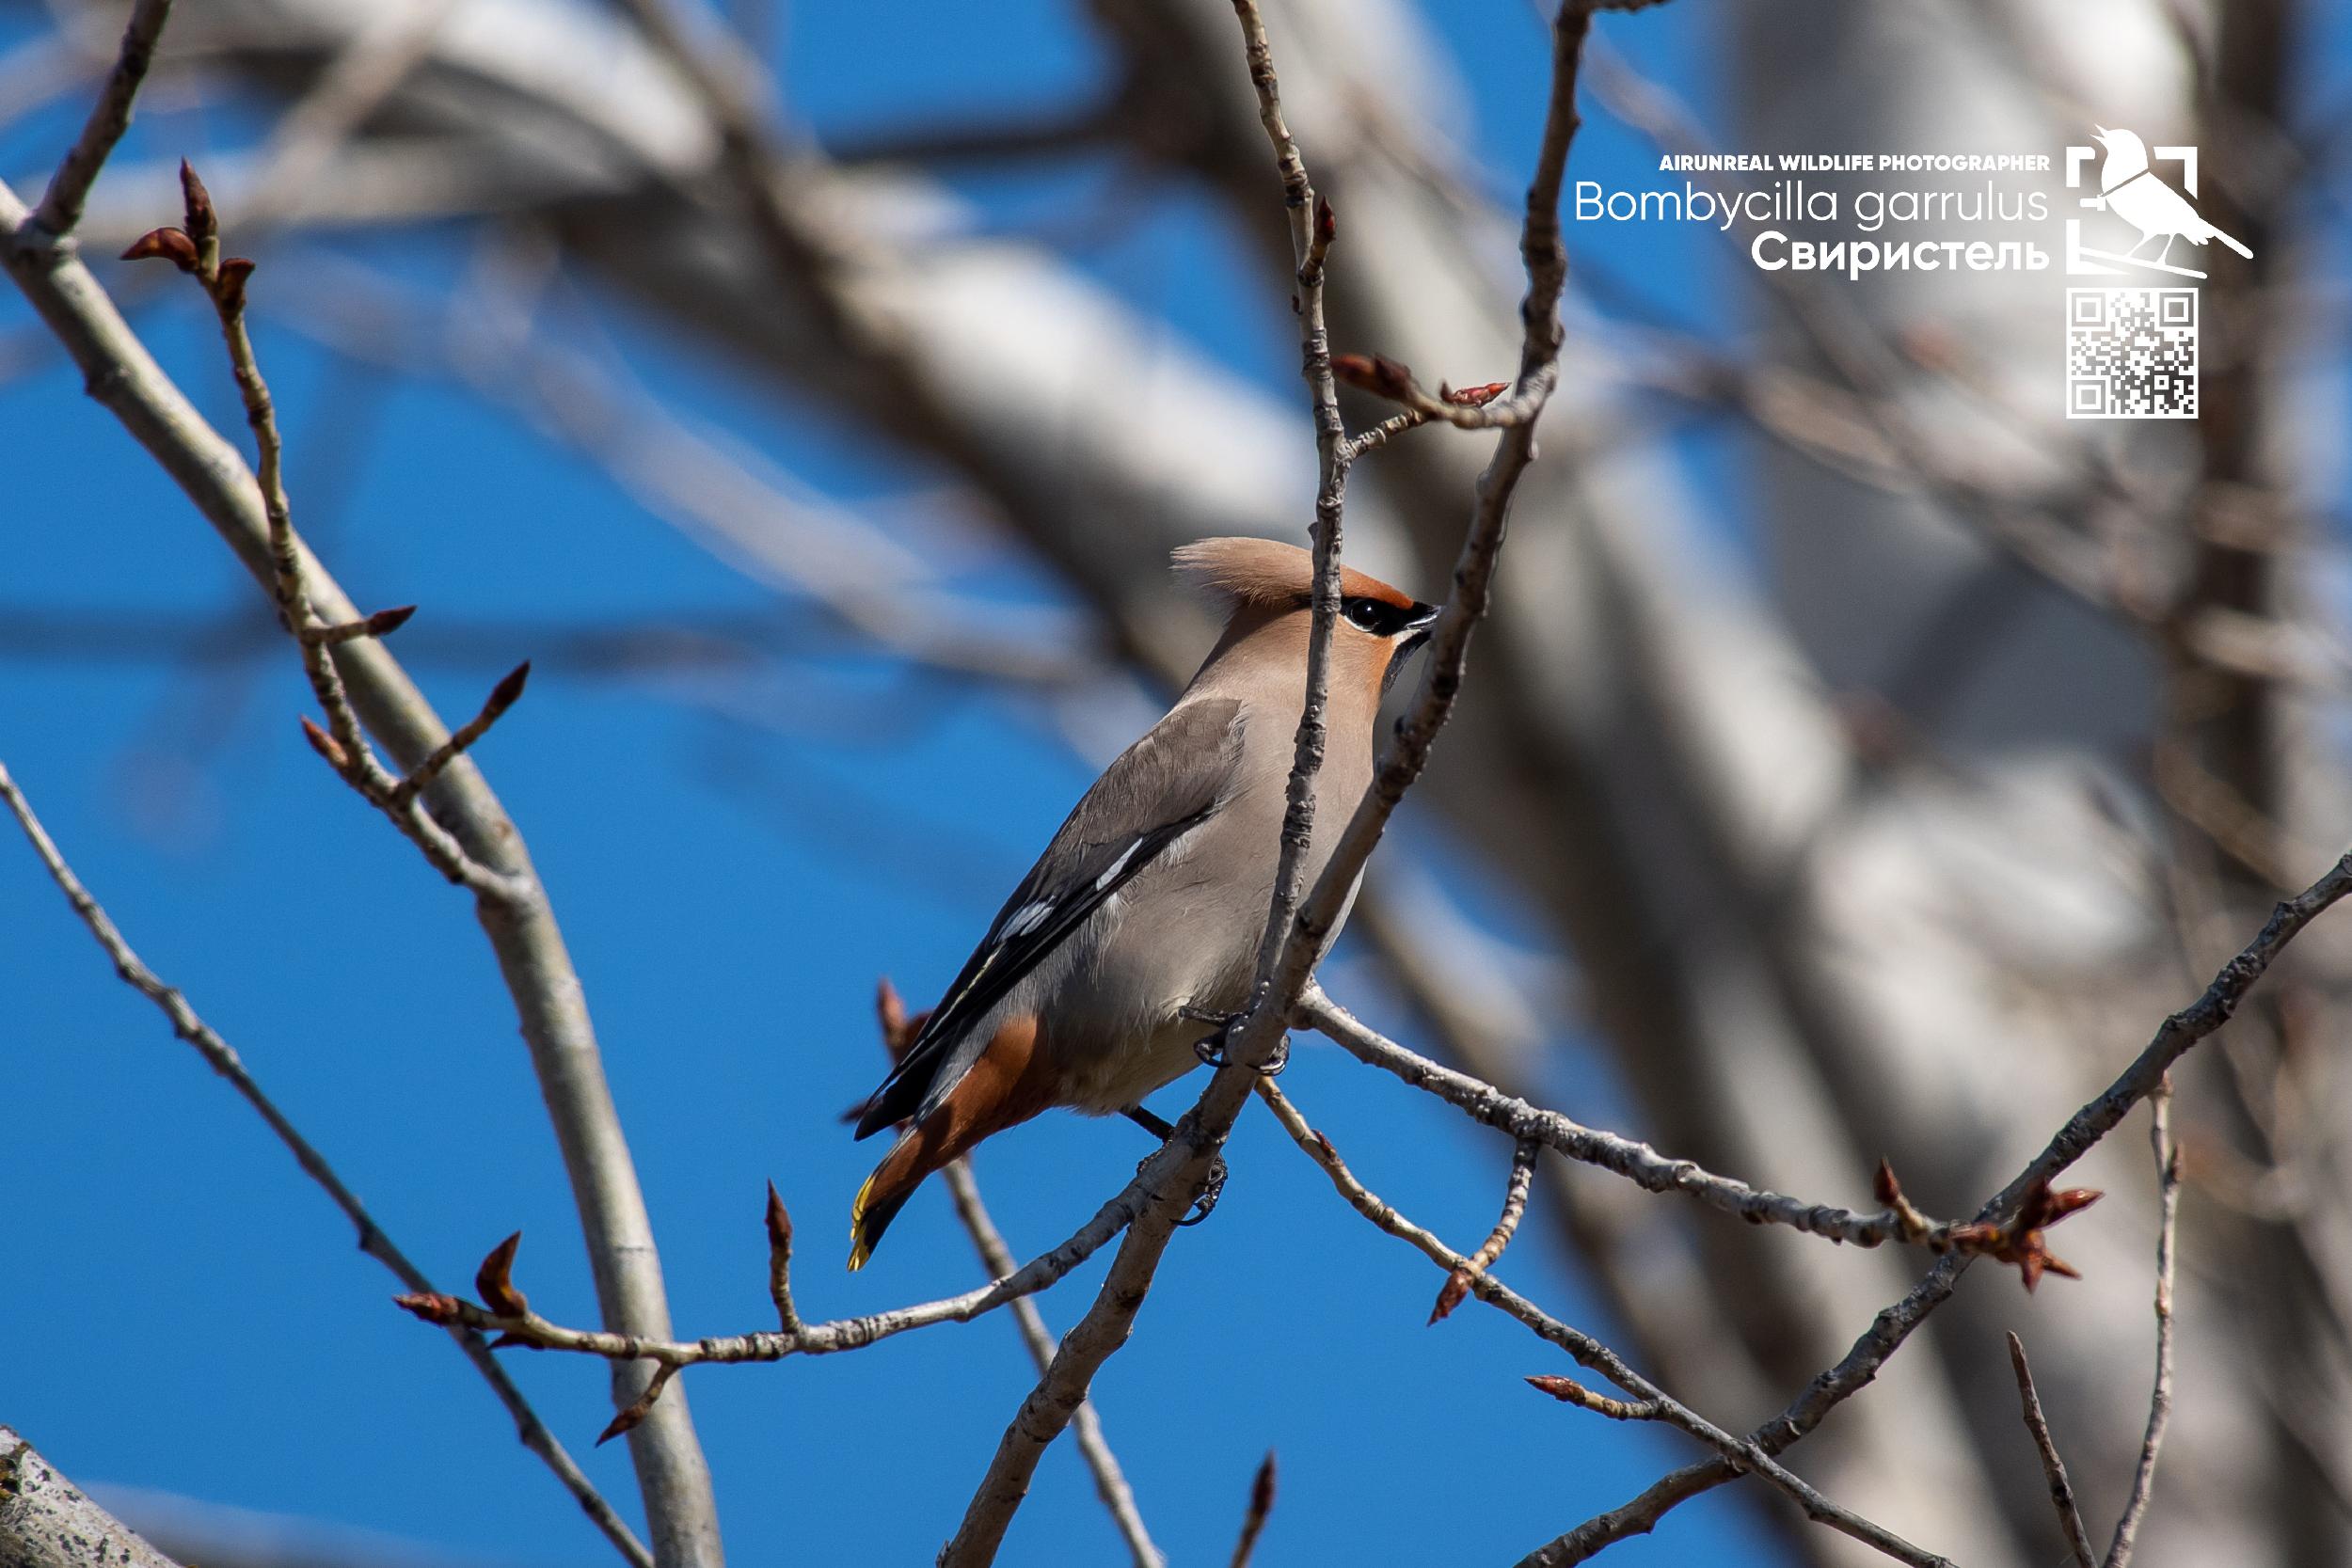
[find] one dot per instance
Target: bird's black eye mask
(1409, 622)
(1379, 617)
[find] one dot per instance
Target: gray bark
(47, 1522)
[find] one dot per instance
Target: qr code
(2131, 354)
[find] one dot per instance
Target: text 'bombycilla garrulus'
(1142, 918)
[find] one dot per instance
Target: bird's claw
(1203, 1201)
(1212, 1188)
(1211, 1047)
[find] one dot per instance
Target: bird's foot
(1211, 1185)
(1211, 1047)
(1212, 1188)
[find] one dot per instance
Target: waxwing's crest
(1267, 572)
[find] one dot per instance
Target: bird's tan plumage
(1142, 919)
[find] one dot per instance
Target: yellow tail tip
(860, 1247)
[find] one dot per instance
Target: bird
(1140, 922)
(2133, 192)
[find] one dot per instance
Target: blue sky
(190, 1315)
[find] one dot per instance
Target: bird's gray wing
(1161, 788)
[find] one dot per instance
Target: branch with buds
(1647, 1401)
(2019, 1239)
(195, 249)
(1464, 409)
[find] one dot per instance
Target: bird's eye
(1368, 614)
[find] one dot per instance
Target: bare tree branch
(1457, 1284)
(224, 1060)
(2053, 1468)
(1645, 1167)
(47, 1523)
(1649, 1403)
(820, 1338)
(522, 929)
(1887, 1332)
(1883, 1337)
(1110, 1481)
(2160, 1397)
(60, 206)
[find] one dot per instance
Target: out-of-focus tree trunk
(2055, 703)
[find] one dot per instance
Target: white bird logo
(2131, 190)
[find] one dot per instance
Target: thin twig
(820, 1338)
(1312, 227)
(109, 118)
(1654, 1172)
(780, 1264)
(1457, 1284)
(2053, 1468)
(224, 1060)
(1380, 434)
(502, 696)
(1569, 1391)
(2160, 1397)
(1886, 1335)
(225, 283)
(1648, 1401)
(1547, 262)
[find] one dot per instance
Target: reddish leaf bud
(432, 1307)
(172, 245)
(1450, 1295)
(779, 1225)
(1262, 1489)
(494, 1282)
(1474, 397)
(325, 744)
(1383, 377)
(203, 222)
(503, 695)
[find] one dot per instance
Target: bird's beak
(2099, 135)
(1416, 633)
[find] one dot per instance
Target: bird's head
(1267, 589)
